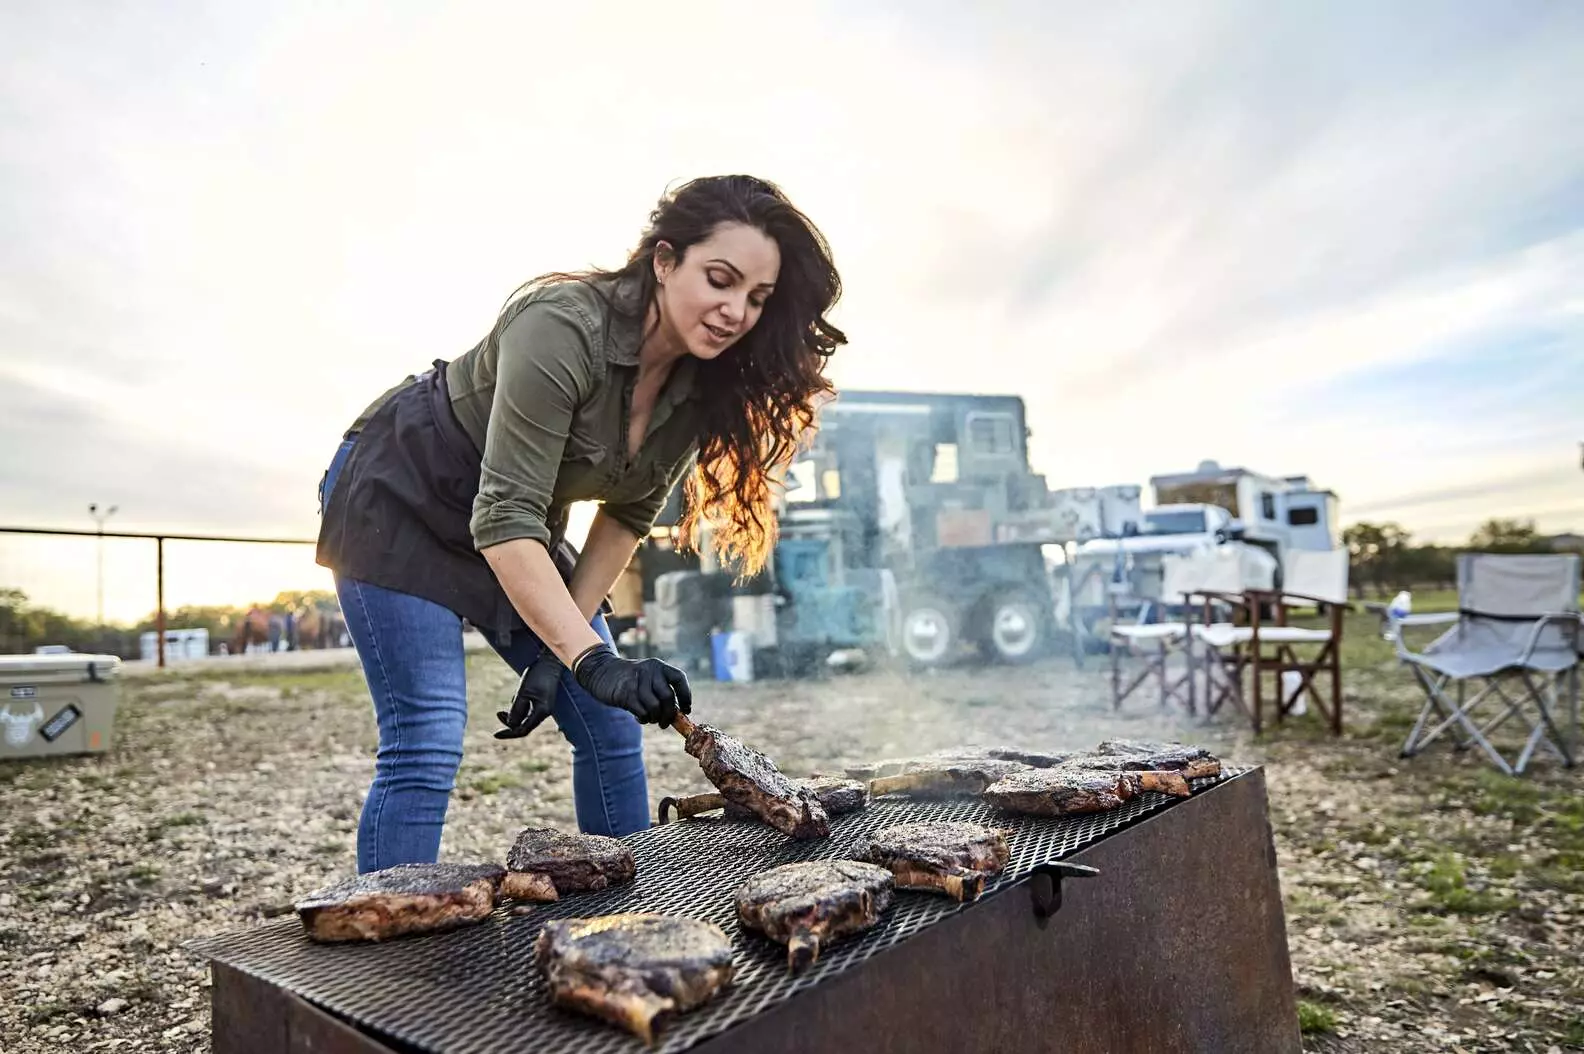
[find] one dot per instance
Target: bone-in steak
(544, 860)
(809, 905)
(407, 898)
(1074, 791)
(838, 796)
(1192, 762)
(944, 775)
(747, 778)
(961, 755)
(950, 857)
(633, 970)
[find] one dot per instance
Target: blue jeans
(412, 656)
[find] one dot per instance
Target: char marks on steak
(809, 905)
(950, 857)
(836, 795)
(943, 775)
(1193, 762)
(1074, 791)
(407, 898)
(750, 780)
(545, 863)
(633, 970)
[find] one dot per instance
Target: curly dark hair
(760, 398)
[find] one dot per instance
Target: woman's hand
(650, 690)
(535, 699)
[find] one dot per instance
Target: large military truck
(912, 525)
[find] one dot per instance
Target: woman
(701, 357)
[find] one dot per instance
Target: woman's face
(717, 291)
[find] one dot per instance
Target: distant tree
(1377, 551)
(1508, 536)
(1434, 566)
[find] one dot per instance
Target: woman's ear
(664, 261)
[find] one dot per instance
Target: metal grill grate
(477, 990)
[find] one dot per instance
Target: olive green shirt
(549, 405)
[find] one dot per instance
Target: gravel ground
(1432, 906)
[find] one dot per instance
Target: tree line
(25, 626)
(1385, 558)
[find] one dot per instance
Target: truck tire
(930, 629)
(1014, 627)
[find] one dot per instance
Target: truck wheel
(929, 632)
(1015, 628)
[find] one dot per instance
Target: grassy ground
(1433, 896)
(1432, 903)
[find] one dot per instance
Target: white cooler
(57, 704)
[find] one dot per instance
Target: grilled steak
(748, 779)
(960, 755)
(1034, 758)
(811, 904)
(1193, 762)
(945, 775)
(407, 898)
(633, 970)
(1071, 791)
(947, 857)
(543, 859)
(838, 796)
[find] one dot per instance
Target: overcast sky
(1345, 239)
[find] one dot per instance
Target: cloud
(1180, 230)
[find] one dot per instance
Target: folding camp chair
(1213, 570)
(1517, 623)
(1317, 578)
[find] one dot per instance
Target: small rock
(111, 1007)
(212, 887)
(264, 766)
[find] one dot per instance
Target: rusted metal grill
(477, 990)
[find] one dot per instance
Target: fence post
(159, 611)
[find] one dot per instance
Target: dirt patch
(1432, 905)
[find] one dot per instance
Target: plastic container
(57, 704)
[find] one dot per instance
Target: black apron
(398, 515)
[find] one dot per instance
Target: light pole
(99, 518)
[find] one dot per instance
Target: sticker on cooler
(63, 720)
(24, 691)
(19, 724)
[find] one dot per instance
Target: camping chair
(1317, 578)
(1182, 577)
(1517, 621)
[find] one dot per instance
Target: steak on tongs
(809, 905)
(633, 970)
(940, 775)
(949, 857)
(1192, 762)
(750, 780)
(545, 863)
(1075, 791)
(406, 898)
(838, 797)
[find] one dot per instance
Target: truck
(1210, 506)
(913, 525)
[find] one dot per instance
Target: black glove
(535, 699)
(650, 690)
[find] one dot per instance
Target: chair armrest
(1545, 620)
(1435, 618)
(1297, 600)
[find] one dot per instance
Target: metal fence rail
(159, 540)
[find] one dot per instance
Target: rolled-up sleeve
(544, 369)
(639, 516)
